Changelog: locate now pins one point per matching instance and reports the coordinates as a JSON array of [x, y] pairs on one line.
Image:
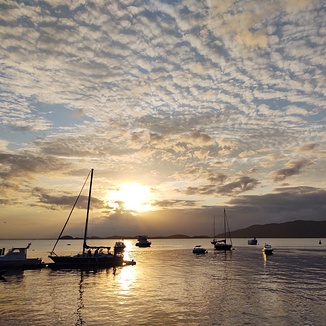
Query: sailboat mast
[[227, 222], [224, 226], [88, 207]]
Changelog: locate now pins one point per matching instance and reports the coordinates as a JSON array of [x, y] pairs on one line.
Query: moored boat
[[253, 241], [143, 241], [222, 244], [119, 246], [199, 250], [16, 258], [267, 249], [91, 256]]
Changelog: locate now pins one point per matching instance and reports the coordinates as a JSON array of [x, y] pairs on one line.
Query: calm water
[[170, 285]]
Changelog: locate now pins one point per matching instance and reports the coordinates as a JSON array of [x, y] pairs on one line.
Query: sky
[[181, 107]]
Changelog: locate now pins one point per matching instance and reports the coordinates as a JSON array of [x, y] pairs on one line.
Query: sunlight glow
[[131, 196]]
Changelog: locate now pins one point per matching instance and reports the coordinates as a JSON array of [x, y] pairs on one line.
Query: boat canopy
[[96, 247]]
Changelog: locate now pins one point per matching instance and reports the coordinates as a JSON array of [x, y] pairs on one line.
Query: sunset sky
[[182, 108]]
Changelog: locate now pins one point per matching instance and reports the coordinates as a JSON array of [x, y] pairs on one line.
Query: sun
[[130, 196]]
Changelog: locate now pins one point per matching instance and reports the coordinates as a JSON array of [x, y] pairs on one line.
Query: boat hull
[[30, 263], [252, 242], [143, 245], [200, 251], [223, 247], [83, 261]]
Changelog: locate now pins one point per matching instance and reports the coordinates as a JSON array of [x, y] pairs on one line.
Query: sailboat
[[222, 244], [91, 256]]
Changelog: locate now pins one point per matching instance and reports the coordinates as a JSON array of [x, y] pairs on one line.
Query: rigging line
[[52, 251], [227, 222]]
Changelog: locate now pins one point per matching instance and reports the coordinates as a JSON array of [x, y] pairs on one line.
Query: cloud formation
[[207, 103]]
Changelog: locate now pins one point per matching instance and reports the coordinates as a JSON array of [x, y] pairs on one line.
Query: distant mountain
[[294, 229]]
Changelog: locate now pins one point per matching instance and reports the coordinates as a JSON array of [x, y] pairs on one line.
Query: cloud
[[293, 168], [205, 99], [174, 203], [288, 203], [238, 186], [63, 201], [27, 164]]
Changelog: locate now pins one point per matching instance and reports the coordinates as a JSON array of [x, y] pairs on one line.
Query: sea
[[169, 285]]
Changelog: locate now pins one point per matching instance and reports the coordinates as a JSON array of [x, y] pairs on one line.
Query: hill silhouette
[[294, 229]]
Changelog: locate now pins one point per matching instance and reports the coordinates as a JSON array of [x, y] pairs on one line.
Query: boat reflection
[[224, 255], [80, 306], [16, 274]]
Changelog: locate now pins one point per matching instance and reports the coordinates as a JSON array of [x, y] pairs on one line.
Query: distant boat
[[222, 245], [119, 246], [252, 241], [143, 242], [199, 250], [16, 258], [267, 249], [92, 256]]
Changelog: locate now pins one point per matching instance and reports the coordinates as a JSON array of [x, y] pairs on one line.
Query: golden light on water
[[130, 196], [127, 274]]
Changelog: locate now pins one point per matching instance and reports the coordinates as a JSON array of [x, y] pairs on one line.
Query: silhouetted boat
[[267, 249], [91, 256], [222, 244], [119, 246], [143, 241], [17, 258], [199, 250], [252, 241]]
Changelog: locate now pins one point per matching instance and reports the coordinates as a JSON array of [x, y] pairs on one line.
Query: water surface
[[170, 285]]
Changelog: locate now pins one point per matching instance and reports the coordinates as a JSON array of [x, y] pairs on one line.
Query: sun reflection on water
[[127, 274]]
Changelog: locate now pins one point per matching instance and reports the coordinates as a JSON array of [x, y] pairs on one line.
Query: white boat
[[222, 244], [267, 249], [252, 242], [91, 256], [199, 250], [143, 241], [16, 258]]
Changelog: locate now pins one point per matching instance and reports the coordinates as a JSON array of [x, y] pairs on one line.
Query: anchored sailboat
[[92, 256], [222, 244]]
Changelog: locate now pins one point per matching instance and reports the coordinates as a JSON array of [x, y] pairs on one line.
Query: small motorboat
[[252, 242], [17, 258], [267, 249], [199, 250], [143, 242], [119, 247]]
